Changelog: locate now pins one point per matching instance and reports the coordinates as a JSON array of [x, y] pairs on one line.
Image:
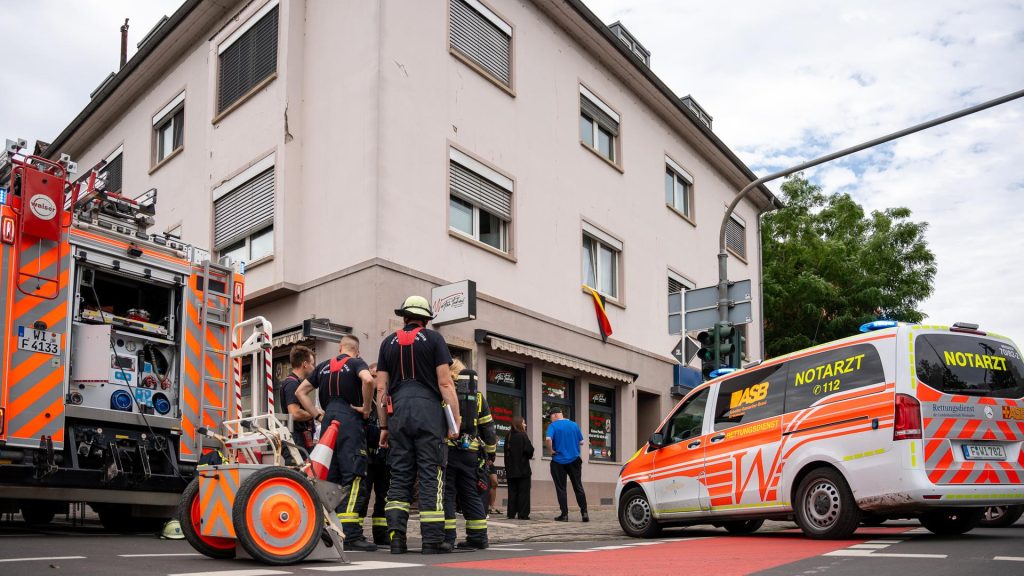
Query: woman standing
[[518, 452]]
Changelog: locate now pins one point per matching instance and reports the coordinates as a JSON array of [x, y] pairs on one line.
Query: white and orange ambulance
[[905, 421]]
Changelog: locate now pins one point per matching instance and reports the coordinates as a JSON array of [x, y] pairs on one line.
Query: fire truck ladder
[[216, 395]]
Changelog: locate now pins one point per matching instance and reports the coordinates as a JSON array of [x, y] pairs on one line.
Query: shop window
[[506, 396], [601, 434], [556, 391]]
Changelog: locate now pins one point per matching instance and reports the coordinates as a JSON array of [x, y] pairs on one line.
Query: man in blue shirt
[[564, 440]]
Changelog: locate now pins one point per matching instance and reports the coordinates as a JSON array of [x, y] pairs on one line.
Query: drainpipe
[[124, 44]]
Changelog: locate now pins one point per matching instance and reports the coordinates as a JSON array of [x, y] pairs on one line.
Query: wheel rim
[[280, 515], [211, 541], [994, 513], [638, 514], [823, 504]]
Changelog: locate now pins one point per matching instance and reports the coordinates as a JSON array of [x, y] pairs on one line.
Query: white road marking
[[873, 554], [569, 550], [42, 558], [256, 572], [883, 541], [511, 549], [157, 555], [368, 565], [648, 543], [1010, 558], [867, 546], [611, 547]]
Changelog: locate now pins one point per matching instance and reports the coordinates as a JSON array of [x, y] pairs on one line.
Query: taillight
[[908, 418]]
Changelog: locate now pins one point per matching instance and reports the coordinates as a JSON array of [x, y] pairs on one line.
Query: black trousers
[[417, 455], [378, 477], [574, 470], [460, 484], [348, 467], [519, 497]]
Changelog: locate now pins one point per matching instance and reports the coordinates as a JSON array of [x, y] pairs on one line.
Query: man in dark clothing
[[462, 479], [413, 375], [346, 391], [378, 475], [302, 362]]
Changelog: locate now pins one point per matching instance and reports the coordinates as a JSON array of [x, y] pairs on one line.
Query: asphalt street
[[902, 548]]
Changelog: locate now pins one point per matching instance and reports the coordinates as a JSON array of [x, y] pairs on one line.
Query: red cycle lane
[[721, 556]]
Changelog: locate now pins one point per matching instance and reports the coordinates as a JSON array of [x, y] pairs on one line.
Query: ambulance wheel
[[277, 516], [824, 506], [189, 514], [636, 515], [952, 522], [38, 512], [743, 526], [994, 517]]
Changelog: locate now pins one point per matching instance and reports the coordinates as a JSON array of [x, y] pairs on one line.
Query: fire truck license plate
[[38, 341], [984, 452]]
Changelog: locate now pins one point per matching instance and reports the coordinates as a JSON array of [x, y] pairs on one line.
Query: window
[[169, 129], [599, 125], [111, 171], [688, 421], [247, 57], [480, 202], [818, 376], [601, 261], [478, 35], [678, 188], [736, 236], [505, 395], [970, 365], [676, 286], [556, 391], [243, 219], [751, 396], [602, 423]]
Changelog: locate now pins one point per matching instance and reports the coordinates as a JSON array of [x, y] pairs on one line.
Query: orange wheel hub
[[281, 516]]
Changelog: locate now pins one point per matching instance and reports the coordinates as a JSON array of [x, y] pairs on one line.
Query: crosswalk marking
[[249, 572], [42, 558], [157, 555], [570, 550], [873, 554], [368, 565], [868, 546], [1010, 558]]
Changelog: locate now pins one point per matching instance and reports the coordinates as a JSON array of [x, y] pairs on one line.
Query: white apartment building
[[353, 152]]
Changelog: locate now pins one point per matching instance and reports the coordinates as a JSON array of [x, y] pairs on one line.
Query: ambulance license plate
[[984, 452], [41, 341]]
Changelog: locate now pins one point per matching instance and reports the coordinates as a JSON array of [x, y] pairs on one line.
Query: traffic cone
[[320, 457]]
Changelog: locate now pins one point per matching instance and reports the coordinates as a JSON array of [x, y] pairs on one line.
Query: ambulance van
[[903, 421]]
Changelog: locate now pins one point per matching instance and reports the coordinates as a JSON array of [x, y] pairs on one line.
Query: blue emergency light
[[878, 325], [3, 195], [721, 372]]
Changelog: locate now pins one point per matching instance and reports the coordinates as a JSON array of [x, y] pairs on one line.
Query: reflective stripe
[[485, 420], [353, 494], [349, 518], [440, 490], [432, 516], [449, 524], [378, 521], [396, 505], [476, 524]]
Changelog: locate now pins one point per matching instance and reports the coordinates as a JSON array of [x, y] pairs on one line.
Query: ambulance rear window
[[969, 365]]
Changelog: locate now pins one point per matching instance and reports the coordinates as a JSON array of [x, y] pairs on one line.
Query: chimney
[[124, 44]]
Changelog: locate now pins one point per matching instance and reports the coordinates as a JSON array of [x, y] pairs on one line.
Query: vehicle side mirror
[[657, 440]]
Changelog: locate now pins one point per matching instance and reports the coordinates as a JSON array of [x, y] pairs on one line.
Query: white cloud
[[789, 81]]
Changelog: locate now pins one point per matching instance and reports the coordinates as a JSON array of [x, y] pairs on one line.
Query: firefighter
[[378, 476], [346, 391], [462, 475], [302, 362], [413, 375]]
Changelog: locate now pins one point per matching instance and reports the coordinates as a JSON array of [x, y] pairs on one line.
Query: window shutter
[[113, 172], [478, 39], [247, 62], [244, 210], [474, 188], [603, 119], [674, 285], [736, 237]]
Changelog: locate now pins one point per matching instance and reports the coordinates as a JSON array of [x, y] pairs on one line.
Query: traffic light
[[724, 346], [706, 353], [738, 345]]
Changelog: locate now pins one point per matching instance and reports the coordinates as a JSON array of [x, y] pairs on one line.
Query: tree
[[828, 267]]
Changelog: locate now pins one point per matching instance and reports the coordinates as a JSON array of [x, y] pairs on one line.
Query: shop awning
[[574, 362], [288, 339]]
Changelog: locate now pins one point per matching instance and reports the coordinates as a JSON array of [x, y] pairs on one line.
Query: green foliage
[[829, 267]]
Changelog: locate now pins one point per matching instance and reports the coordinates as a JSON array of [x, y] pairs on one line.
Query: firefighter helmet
[[415, 307]]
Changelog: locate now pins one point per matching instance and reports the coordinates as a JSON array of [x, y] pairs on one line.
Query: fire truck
[[115, 347]]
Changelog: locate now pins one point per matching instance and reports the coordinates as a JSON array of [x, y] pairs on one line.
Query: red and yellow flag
[[603, 325]]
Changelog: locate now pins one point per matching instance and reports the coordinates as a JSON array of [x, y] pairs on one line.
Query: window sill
[[602, 157], [237, 103], [481, 71], [259, 262], [167, 159], [736, 254], [608, 299], [481, 245], [682, 215]]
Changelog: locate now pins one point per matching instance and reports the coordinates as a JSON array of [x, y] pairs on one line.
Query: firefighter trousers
[[461, 485], [378, 477], [417, 454], [348, 467]]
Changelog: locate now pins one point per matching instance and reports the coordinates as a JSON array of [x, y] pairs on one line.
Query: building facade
[[353, 153]]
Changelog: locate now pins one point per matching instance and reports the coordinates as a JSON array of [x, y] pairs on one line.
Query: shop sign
[[453, 303]]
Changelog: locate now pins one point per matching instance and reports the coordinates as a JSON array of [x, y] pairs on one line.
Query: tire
[[189, 515], [1001, 516], [741, 527], [38, 513], [277, 516], [824, 507], [952, 522], [636, 515]]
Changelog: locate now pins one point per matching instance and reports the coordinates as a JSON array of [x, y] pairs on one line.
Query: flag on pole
[[604, 326]]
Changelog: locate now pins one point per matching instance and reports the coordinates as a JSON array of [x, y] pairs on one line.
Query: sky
[[785, 81]]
